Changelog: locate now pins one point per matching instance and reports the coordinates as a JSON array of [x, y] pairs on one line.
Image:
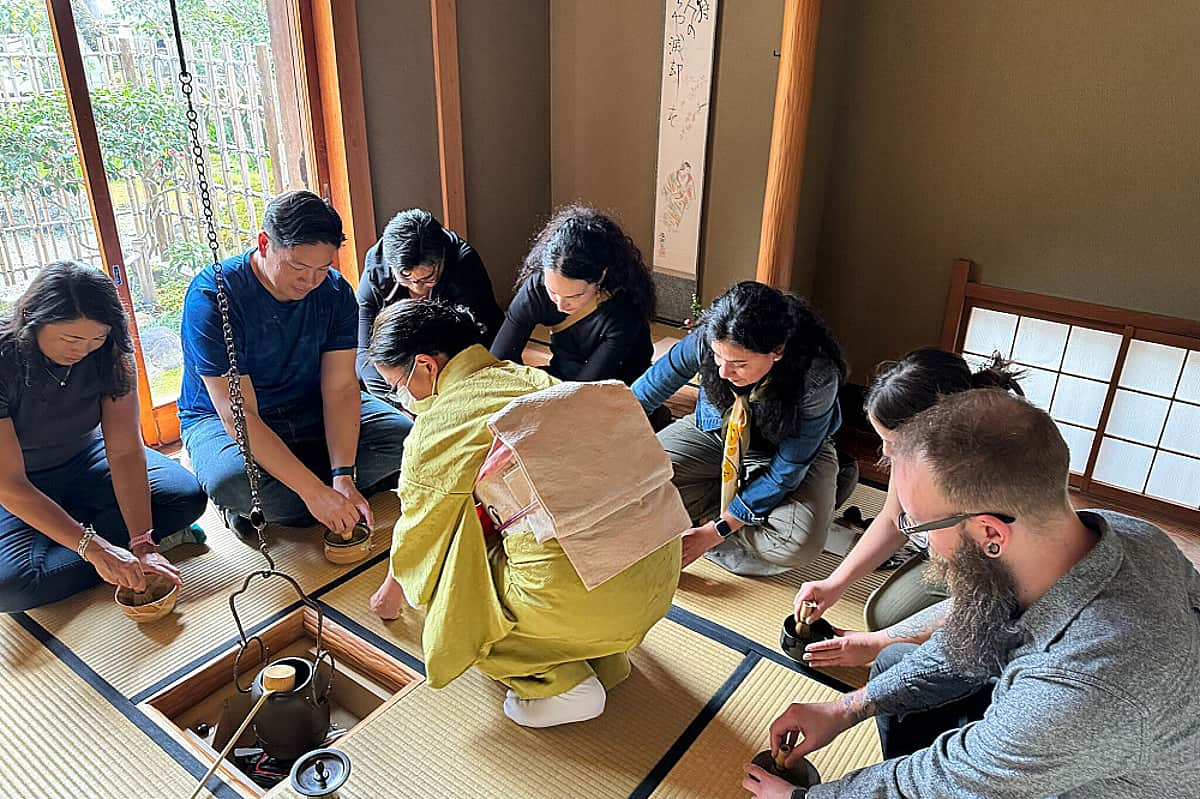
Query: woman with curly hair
[[586, 281], [81, 500], [757, 457]]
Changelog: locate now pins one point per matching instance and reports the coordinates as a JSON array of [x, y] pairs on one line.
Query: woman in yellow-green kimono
[[511, 607]]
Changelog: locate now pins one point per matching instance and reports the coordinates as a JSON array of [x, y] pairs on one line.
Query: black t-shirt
[[53, 422], [464, 281], [611, 343]]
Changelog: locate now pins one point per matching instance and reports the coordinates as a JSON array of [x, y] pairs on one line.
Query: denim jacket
[[789, 464]]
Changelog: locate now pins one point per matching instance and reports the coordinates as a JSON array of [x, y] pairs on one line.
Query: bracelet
[[345, 471], [146, 538], [88, 535]]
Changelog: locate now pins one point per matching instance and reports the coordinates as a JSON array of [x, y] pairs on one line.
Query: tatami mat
[[352, 598], [868, 500], [456, 742], [133, 656], [713, 765], [757, 606], [63, 739]]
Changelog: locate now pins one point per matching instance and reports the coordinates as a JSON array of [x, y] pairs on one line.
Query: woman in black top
[[586, 281], [80, 498], [418, 258]]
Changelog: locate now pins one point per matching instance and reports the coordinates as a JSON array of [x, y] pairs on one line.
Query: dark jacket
[[464, 281], [611, 343]]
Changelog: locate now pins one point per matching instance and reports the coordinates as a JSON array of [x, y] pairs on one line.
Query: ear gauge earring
[[993, 549]]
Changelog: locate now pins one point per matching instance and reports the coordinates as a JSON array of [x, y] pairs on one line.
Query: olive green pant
[[789, 536]]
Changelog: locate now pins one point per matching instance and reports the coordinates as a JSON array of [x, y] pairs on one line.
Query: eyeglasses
[[393, 395], [918, 534], [405, 278]]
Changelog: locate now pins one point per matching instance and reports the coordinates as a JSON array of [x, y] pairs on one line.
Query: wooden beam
[[449, 114], [789, 133], [334, 42], [87, 143], [955, 304]]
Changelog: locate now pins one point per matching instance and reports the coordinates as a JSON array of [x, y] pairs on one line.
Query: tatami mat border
[[753, 651], [734, 640], [124, 706], [706, 715]]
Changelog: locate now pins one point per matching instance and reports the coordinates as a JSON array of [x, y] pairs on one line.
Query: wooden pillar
[[334, 42], [789, 131], [87, 142], [449, 114]]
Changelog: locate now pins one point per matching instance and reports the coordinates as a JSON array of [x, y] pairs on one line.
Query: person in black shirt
[[81, 499], [417, 258], [585, 280]]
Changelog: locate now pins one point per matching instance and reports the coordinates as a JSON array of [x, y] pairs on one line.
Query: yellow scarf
[[737, 437]]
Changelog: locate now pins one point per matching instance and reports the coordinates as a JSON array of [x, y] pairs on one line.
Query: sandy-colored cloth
[[523, 616], [583, 466]]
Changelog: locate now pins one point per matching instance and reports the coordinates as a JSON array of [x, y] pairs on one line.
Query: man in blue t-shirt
[[294, 319]]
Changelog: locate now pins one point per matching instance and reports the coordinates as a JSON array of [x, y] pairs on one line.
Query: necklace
[[62, 381]]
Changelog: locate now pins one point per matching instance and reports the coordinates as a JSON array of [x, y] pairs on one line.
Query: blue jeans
[[221, 469], [900, 736], [34, 570]]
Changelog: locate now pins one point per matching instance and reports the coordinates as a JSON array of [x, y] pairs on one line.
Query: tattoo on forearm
[[858, 705], [922, 624]]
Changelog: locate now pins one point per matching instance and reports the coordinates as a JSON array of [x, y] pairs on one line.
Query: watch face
[[723, 528]]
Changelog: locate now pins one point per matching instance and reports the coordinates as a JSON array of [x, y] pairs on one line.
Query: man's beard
[[981, 628]]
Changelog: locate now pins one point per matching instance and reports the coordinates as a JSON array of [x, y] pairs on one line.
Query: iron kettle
[[296, 721]]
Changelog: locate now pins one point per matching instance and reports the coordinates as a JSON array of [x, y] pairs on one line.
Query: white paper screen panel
[[1078, 401], [1137, 417], [1175, 479], [1189, 384], [1091, 353], [1123, 465], [1079, 442], [1182, 433], [1038, 385], [1040, 343], [1153, 368], [990, 331]]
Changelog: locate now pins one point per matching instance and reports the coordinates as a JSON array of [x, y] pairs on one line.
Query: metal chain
[[237, 401]]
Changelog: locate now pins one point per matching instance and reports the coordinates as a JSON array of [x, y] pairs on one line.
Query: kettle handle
[[305, 600], [323, 655]]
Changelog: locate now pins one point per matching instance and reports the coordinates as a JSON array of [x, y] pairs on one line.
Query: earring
[[993, 549]]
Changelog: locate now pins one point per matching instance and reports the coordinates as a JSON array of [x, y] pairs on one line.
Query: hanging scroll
[[689, 38]]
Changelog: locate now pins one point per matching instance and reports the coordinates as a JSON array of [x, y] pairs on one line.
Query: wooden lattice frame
[[1130, 325]]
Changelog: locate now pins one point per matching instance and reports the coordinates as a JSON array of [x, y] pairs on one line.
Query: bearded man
[[1068, 662]]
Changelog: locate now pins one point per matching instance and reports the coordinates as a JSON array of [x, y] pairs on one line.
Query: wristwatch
[[799, 793], [723, 528], [345, 471]]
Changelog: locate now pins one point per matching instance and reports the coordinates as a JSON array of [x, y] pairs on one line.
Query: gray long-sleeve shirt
[[1101, 700]]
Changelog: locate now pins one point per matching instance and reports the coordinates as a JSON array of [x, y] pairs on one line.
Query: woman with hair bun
[[906, 607], [507, 604]]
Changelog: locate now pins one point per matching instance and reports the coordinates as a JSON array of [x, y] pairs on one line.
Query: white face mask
[[410, 403]]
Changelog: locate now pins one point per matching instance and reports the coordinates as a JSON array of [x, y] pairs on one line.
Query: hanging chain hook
[[237, 401]]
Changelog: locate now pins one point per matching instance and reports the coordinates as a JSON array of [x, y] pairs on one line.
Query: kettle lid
[[320, 772]]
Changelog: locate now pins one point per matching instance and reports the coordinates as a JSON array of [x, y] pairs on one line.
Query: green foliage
[[37, 147], [20, 17], [200, 20], [30, 17], [140, 129]]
